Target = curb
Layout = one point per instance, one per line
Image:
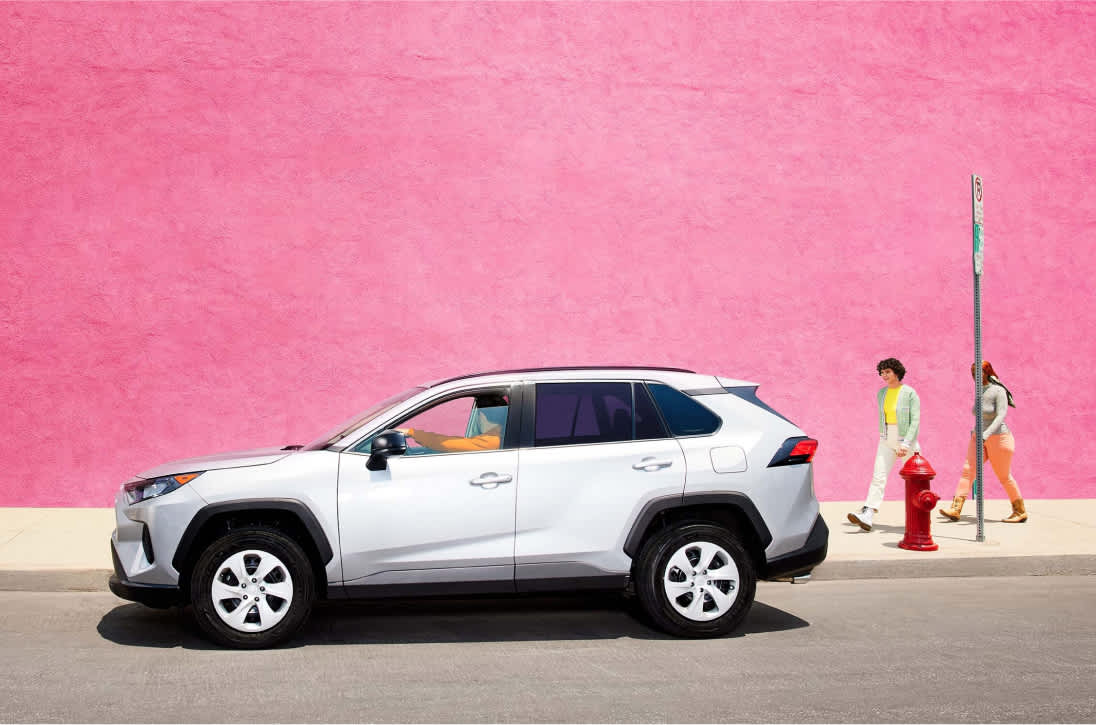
(95, 580)
(1055, 565)
(55, 580)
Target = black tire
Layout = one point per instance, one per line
(711, 620)
(292, 573)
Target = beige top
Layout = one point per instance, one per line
(994, 408)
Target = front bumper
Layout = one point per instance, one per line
(803, 559)
(143, 543)
(151, 595)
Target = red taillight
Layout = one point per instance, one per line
(795, 450)
(805, 448)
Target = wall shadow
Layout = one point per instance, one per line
(404, 621)
(940, 529)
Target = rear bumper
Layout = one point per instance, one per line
(151, 595)
(804, 559)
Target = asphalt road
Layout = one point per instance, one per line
(1016, 649)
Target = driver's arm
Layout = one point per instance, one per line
(440, 442)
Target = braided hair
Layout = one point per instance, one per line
(991, 375)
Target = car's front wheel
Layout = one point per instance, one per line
(252, 588)
(695, 580)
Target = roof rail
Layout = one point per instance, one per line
(552, 369)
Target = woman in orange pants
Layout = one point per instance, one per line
(998, 446)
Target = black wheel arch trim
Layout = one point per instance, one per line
(667, 503)
(302, 512)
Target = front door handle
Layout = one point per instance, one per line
(650, 463)
(491, 480)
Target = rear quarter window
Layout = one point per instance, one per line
(683, 415)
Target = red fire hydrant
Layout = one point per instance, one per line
(919, 503)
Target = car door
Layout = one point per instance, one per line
(596, 452)
(435, 519)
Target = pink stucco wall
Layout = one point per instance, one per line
(227, 226)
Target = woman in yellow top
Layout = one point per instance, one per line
(899, 422)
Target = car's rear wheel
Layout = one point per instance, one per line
(695, 580)
(252, 588)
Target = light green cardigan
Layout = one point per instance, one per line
(909, 416)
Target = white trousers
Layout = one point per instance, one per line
(885, 456)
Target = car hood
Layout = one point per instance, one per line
(234, 459)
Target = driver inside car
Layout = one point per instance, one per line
(484, 434)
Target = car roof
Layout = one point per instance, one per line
(677, 377)
(555, 369)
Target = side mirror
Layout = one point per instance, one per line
(387, 443)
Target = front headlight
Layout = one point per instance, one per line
(138, 491)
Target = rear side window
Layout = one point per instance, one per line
(685, 416)
(570, 413)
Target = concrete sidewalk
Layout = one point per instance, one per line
(1059, 537)
(57, 549)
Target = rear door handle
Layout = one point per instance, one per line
(650, 463)
(491, 480)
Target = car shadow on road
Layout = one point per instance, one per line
(517, 619)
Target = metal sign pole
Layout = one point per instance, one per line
(979, 258)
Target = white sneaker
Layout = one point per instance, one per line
(862, 519)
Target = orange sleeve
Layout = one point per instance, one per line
(438, 442)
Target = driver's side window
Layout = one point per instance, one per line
(444, 421)
(473, 422)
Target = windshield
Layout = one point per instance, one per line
(346, 428)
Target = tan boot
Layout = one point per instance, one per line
(956, 508)
(1018, 515)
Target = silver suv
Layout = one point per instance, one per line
(683, 489)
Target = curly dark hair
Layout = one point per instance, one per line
(893, 364)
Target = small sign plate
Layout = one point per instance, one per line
(979, 240)
(979, 246)
(976, 193)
